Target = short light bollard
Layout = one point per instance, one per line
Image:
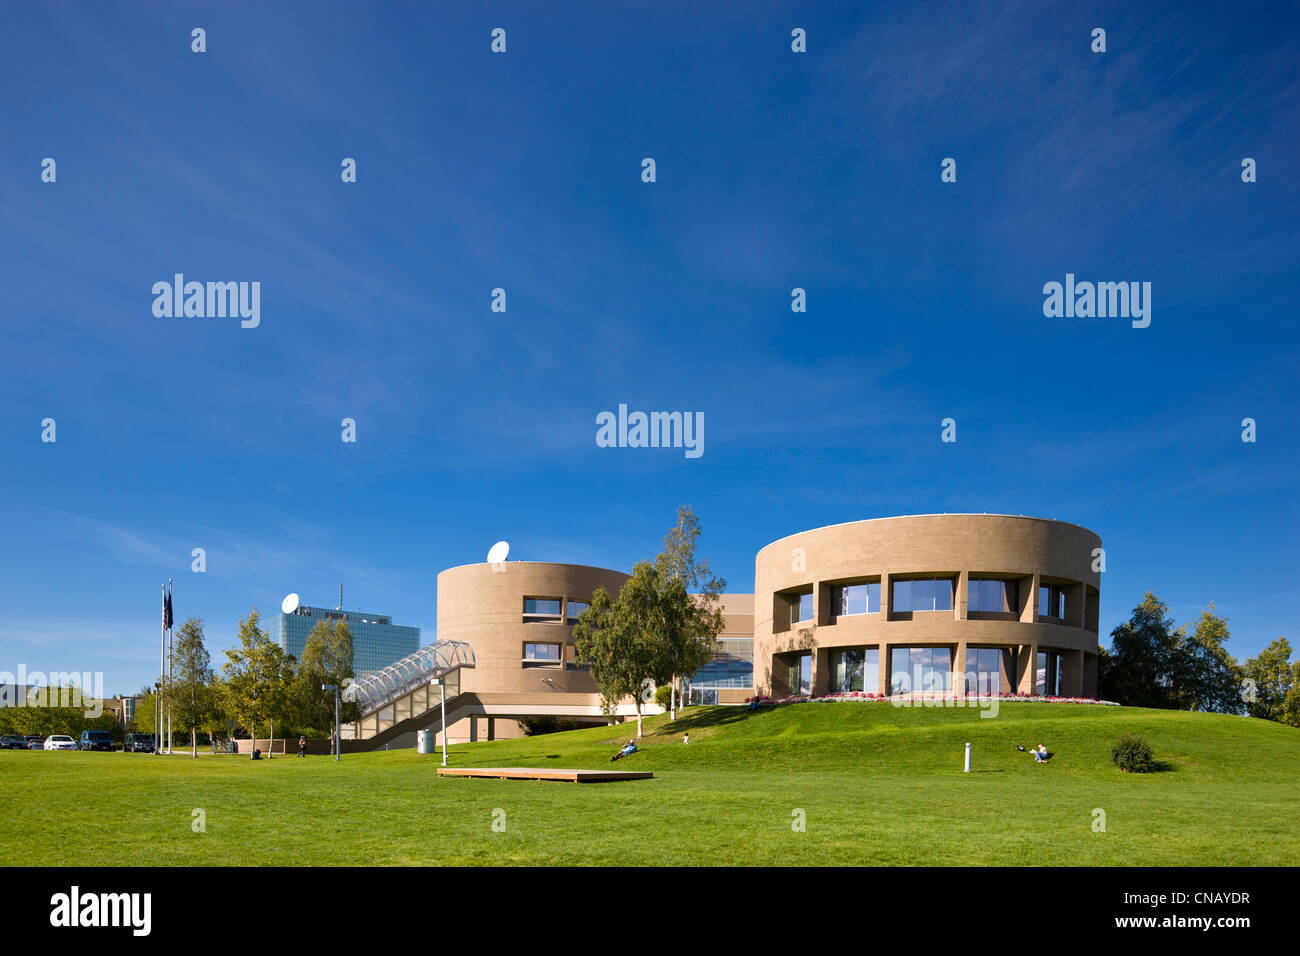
(967, 759)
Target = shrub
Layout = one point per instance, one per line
(662, 694)
(1132, 754)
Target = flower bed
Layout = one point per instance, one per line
(860, 696)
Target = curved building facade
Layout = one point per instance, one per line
(518, 616)
(960, 604)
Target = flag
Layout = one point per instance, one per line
(167, 610)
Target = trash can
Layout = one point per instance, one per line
(424, 742)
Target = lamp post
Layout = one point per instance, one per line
(338, 742)
(157, 715)
(437, 682)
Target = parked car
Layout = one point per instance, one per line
(35, 742)
(13, 742)
(60, 742)
(138, 744)
(96, 740)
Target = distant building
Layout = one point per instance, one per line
(123, 709)
(376, 640)
(729, 677)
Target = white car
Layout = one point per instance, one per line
(60, 742)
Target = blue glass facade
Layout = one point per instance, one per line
(732, 665)
(376, 640)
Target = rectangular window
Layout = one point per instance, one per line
(992, 595)
(545, 653)
(542, 607)
(849, 599)
(1048, 679)
(575, 609)
(855, 669)
(801, 676)
(1051, 601)
(922, 594)
(801, 607)
(920, 670)
(983, 671)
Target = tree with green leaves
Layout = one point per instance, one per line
(1273, 679)
(146, 712)
(1144, 666)
(1210, 678)
(218, 723)
(619, 641)
(257, 678)
(191, 687)
(1291, 702)
(326, 659)
(691, 625)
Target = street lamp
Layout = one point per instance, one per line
(338, 742)
(437, 682)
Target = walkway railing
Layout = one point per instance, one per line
(413, 671)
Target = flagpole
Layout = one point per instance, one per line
(169, 667)
(162, 672)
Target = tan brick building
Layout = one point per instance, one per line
(929, 603)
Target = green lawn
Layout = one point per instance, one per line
(877, 784)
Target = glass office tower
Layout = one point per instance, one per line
(376, 640)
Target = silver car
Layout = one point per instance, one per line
(60, 742)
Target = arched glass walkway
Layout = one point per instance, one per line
(401, 677)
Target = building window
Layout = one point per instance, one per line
(983, 671)
(801, 676)
(921, 594)
(993, 595)
(732, 665)
(542, 653)
(542, 608)
(855, 669)
(801, 607)
(1051, 601)
(1047, 681)
(574, 609)
(920, 670)
(849, 599)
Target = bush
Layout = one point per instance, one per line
(1132, 754)
(662, 695)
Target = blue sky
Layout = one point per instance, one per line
(522, 171)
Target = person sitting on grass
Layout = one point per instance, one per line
(1040, 754)
(629, 748)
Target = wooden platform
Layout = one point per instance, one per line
(536, 773)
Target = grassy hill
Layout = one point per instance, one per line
(876, 784)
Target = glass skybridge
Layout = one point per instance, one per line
(402, 677)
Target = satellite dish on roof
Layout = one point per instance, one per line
(497, 554)
(289, 604)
